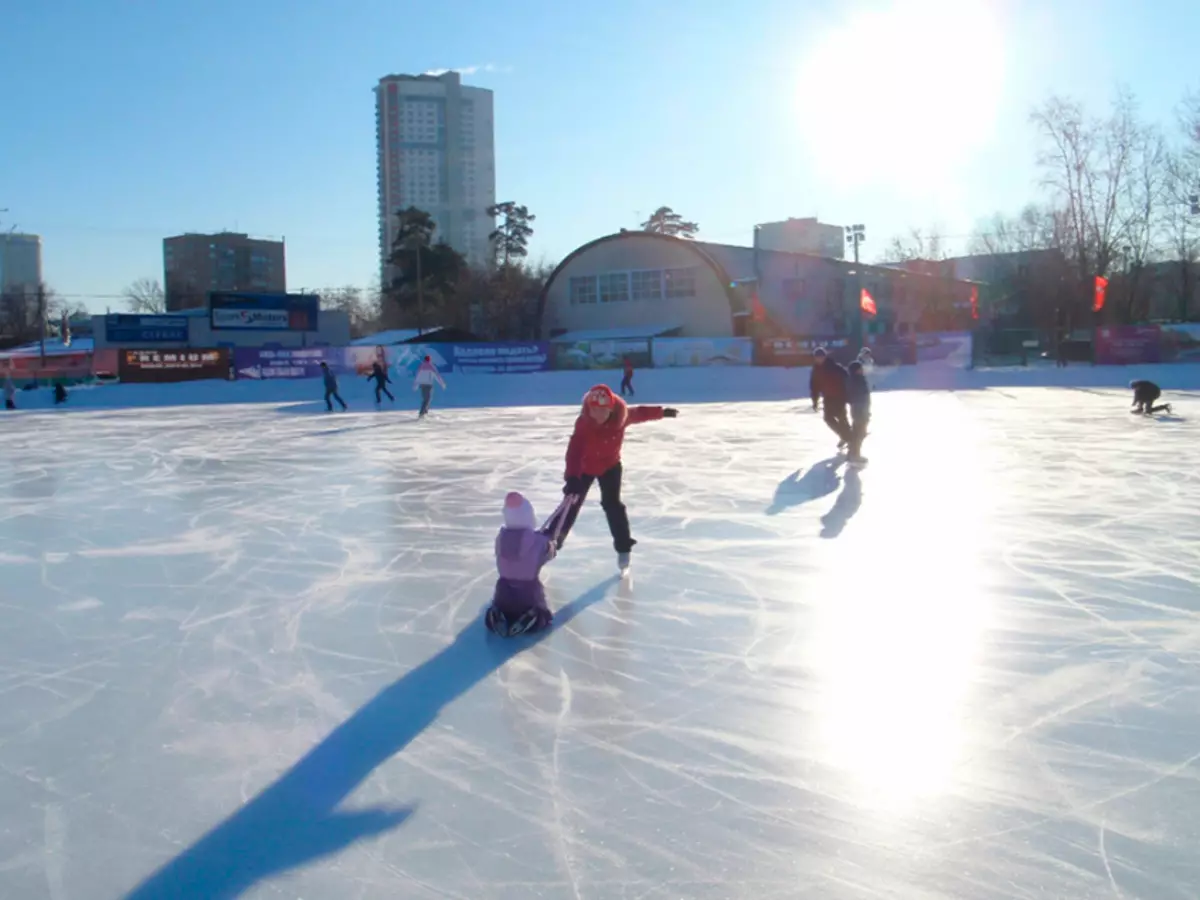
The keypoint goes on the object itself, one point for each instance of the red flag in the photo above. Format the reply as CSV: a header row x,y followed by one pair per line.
x,y
1100,290
757,313
867,302
974,301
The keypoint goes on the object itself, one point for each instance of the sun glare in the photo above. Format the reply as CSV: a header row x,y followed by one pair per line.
x,y
901,94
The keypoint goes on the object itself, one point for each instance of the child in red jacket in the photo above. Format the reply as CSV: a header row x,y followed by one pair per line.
x,y
594,454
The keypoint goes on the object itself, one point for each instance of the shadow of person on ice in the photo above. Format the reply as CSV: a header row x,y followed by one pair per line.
x,y
819,481
295,821
844,508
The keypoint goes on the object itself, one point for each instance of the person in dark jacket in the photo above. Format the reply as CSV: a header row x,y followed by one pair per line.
x,y
858,394
828,381
627,380
331,387
380,376
1144,395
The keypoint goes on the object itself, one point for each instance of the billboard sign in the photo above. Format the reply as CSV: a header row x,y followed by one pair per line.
x,y
501,358
122,328
793,352
244,311
1124,345
688,352
284,362
602,354
139,366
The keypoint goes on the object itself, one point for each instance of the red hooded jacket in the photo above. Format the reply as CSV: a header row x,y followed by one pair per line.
x,y
595,447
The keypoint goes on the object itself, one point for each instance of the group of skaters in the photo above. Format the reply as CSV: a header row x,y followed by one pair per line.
x,y
427,376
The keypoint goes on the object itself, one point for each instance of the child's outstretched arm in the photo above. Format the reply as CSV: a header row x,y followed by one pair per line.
x,y
639,414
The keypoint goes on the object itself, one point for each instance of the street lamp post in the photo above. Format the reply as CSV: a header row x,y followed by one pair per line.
x,y
855,235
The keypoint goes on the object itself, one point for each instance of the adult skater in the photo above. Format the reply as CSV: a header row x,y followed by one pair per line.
x,y
627,380
519,601
60,392
828,381
858,394
380,376
10,392
1144,395
594,454
331,387
427,374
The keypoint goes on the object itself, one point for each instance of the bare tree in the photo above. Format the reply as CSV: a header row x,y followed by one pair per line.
x,y
350,300
919,243
1033,228
1180,219
145,296
1141,208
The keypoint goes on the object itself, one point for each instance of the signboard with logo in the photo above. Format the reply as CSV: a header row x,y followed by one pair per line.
x,y
687,352
173,365
1124,345
602,354
285,362
121,328
244,311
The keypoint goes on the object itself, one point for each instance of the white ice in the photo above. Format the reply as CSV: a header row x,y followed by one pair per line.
x,y
241,656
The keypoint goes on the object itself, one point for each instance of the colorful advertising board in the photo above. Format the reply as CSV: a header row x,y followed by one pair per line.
x,y
793,352
602,354
33,367
508,358
244,311
690,352
158,366
286,362
1124,345
120,328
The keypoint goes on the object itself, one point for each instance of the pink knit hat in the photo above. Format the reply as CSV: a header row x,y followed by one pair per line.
x,y
518,512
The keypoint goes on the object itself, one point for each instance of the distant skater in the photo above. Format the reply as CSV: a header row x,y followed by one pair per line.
x,y
828,381
1144,395
10,392
380,376
627,381
60,392
427,374
858,393
331,388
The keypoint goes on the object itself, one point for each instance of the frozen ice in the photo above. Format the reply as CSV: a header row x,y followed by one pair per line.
x,y
241,655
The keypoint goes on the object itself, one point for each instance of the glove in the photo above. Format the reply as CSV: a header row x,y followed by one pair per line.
x,y
670,413
573,485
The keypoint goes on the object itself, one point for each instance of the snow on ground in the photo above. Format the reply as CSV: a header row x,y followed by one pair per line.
x,y
241,653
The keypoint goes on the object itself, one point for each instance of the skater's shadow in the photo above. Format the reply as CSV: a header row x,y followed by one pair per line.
x,y
296,819
819,481
844,508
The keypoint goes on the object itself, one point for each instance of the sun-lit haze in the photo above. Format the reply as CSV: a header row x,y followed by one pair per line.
x,y
124,124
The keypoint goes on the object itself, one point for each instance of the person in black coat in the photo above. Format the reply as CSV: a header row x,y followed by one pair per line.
x,y
380,376
828,381
1144,395
331,387
858,394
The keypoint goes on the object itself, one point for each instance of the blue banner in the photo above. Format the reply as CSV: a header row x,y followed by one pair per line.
x,y
501,359
122,328
688,352
243,311
286,362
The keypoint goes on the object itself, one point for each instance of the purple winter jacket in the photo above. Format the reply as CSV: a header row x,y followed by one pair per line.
x,y
520,555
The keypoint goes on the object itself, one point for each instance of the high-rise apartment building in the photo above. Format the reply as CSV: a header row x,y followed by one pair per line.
x,y
437,153
20,262
196,264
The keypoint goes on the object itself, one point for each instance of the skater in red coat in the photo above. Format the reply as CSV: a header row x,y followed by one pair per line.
x,y
594,454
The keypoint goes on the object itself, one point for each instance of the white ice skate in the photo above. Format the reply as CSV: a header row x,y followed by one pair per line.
x,y
623,562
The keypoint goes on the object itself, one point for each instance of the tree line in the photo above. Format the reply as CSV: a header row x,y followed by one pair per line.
x,y
1119,198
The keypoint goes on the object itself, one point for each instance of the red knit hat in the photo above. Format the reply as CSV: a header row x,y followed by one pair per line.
x,y
602,396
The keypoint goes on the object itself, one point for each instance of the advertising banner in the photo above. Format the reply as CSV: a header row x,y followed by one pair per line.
x,y
407,357
243,311
29,367
1181,342
890,350
686,352
508,358
1123,345
360,360
284,362
120,328
106,363
140,366
602,354
793,352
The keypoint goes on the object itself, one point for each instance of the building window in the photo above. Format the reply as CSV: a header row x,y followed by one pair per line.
x,y
680,282
614,287
646,285
583,289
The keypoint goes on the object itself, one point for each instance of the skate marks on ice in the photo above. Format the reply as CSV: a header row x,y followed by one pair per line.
x,y
296,820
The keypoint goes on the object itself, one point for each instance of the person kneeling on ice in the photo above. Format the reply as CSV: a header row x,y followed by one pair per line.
x,y
519,602
594,454
1144,395
858,393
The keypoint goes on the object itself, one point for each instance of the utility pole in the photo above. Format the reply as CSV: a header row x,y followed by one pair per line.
x,y
41,299
855,235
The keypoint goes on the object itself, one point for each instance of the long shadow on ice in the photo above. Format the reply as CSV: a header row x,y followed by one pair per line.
x,y
819,481
844,508
295,821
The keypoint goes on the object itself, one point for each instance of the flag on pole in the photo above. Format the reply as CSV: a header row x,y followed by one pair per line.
x,y
757,312
867,302
1101,289
974,301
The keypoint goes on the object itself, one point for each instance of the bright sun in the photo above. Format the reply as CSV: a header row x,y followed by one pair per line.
x,y
902,93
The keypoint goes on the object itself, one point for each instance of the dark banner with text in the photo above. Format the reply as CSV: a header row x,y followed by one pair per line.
x,y
160,366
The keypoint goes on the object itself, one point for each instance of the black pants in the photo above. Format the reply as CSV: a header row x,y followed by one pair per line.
x,y
381,389
835,418
426,396
610,502
627,385
336,396
8,404
1145,395
858,429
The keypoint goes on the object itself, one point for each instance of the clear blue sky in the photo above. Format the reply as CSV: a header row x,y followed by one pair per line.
x,y
124,123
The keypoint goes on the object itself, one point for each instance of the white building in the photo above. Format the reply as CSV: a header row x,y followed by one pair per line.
x,y
436,152
20,261
803,236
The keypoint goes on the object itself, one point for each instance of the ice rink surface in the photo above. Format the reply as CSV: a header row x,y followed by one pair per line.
x,y
241,656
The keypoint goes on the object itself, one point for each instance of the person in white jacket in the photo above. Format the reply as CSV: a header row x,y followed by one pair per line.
x,y
427,374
